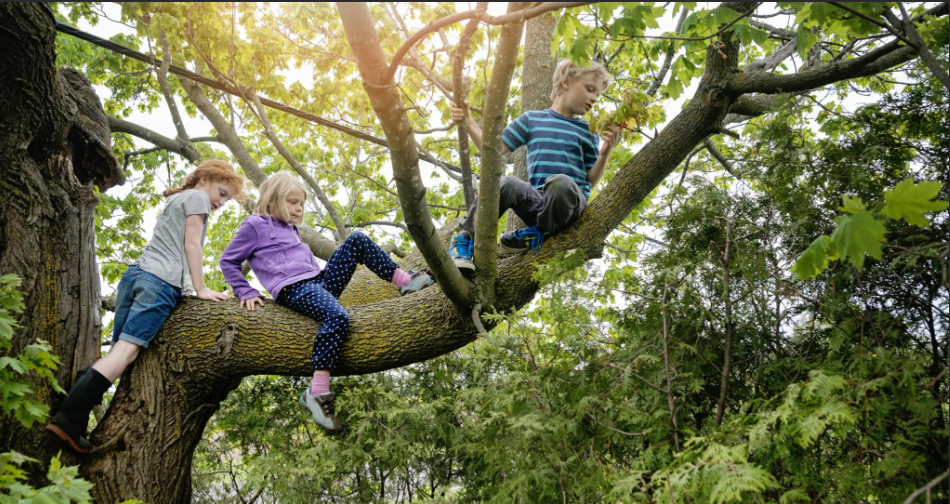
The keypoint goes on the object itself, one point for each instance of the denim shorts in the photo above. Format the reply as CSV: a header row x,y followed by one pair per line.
x,y
141,306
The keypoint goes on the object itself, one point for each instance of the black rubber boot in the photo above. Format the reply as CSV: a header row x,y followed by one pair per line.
x,y
69,424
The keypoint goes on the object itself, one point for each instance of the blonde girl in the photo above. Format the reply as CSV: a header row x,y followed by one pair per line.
x,y
270,241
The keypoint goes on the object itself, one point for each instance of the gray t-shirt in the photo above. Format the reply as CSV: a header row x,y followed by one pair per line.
x,y
164,256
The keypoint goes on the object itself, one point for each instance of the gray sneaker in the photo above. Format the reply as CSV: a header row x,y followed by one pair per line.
x,y
418,280
321,408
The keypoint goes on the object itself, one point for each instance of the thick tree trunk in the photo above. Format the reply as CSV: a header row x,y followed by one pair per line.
x,y
54,145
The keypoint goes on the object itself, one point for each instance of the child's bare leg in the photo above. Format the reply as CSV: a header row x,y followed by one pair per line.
x,y
119,357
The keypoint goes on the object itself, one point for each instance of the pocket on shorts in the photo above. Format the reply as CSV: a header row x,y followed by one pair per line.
x,y
146,290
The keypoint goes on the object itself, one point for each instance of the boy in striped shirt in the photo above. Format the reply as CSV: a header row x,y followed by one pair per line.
x,y
564,163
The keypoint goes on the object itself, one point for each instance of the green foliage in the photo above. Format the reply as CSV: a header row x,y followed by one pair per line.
x,y
910,202
863,233
831,395
14,369
65,484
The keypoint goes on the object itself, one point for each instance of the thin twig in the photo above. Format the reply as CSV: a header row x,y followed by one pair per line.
x,y
927,487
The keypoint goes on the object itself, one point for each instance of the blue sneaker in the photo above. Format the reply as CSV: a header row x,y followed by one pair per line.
x,y
523,239
462,250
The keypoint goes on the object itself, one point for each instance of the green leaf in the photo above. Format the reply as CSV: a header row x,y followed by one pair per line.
x,y
911,201
804,40
14,364
674,87
815,258
856,235
721,16
852,205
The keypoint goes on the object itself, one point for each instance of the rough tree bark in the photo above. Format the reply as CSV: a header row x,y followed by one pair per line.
x,y
54,145
52,150
536,74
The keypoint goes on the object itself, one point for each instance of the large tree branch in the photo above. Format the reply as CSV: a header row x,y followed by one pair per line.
x,y
516,17
225,132
364,42
493,165
913,39
170,144
878,60
875,61
341,232
320,245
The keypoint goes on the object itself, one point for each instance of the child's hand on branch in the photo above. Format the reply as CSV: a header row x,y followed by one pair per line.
x,y
250,302
610,137
210,295
459,114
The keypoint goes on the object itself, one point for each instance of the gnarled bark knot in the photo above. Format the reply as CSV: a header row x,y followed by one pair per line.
x,y
718,97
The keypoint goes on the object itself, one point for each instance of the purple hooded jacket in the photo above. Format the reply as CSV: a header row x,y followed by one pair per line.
x,y
275,252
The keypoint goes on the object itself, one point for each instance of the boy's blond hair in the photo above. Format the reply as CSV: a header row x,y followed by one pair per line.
x,y
274,192
572,72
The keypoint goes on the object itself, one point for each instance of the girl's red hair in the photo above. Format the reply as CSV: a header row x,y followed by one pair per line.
x,y
213,170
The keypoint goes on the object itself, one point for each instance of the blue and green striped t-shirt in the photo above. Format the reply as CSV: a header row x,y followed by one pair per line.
x,y
557,144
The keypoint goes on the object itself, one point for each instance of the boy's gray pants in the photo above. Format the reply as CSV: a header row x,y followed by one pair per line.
x,y
552,208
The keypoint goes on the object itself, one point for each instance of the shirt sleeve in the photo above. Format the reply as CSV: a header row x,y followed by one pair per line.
x,y
238,250
517,133
590,157
196,202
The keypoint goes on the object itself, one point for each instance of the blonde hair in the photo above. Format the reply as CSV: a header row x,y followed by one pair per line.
x,y
212,170
274,191
567,70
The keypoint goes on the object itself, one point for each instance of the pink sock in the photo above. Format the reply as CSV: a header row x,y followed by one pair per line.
x,y
401,278
320,383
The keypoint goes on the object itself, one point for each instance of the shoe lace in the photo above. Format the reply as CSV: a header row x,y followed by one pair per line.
x,y
532,235
327,407
464,247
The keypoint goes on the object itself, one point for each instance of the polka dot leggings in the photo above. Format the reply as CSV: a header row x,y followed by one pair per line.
x,y
317,296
